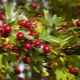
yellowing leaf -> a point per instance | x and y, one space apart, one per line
74 21
62 60
44 73
45 13
2 76
7 40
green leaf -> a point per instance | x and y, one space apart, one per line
26 34
1 56
38 67
12 75
47 37
63 75
11 16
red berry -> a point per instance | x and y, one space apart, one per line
2 16
65 25
32 33
79 11
46 48
17 55
17 71
21 22
27 60
78 23
20 35
7 28
28 46
38 15
4 34
27 24
73 71
33 5
59 29
20 78
1 29
37 43
10 47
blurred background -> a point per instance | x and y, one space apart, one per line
65 8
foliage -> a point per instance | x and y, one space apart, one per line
63 43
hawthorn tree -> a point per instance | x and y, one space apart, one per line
45 42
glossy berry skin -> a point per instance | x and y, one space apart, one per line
27 60
65 25
20 36
78 23
46 48
17 71
28 46
7 29
27 24
20 78
73 71
33 5
2 16
37 43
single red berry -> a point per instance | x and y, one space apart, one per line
20 78
28 46
17 71
20 35
78 23
7 28
37 43
10 47
27 24
21 22
32 33
17 55
33 5
73 71
38 15
59 29
46 48
65 25
2 16
27 60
